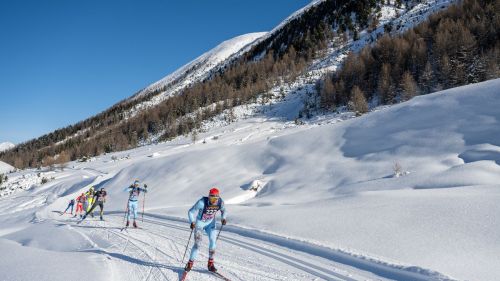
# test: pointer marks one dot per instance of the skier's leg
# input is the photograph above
(91, 209)
(135, 210)
(101, 207)
(129, 213)
(198, 234)
(212, 237)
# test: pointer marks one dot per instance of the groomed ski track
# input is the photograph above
(154, 252)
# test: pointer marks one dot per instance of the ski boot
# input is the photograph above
(127, 223)
(101, 218)
(189, 266)
(211, 266)
(134, 224)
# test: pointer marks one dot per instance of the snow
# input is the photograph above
(315, 199)
(311, 201)
(6, 146)
(5, 168)
(196, 70)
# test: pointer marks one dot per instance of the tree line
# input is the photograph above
(454, 47)
(281, 57)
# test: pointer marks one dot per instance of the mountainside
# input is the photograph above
(298, 51)
(195, 71)
(406, 192)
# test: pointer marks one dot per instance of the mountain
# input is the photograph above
(196, 70)
(6, 146)
(294, 56)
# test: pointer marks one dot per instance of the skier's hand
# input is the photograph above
(193, 225)
(224, 221)
(145, 186)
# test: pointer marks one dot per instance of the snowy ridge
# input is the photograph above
(194, 71)
(6, 146)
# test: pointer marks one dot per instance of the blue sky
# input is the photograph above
(63, 61)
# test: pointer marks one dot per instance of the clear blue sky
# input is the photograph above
(63, 61)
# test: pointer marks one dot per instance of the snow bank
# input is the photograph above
(5, 168)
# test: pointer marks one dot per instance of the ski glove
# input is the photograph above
(223, 222)
(193, 225)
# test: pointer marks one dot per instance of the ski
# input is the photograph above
(217, 274)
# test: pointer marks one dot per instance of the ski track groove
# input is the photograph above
(139, 255)
(316, 271)
(142, 248)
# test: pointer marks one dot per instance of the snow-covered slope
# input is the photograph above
(325, 191)
(6, 145)
(195, 71)
(5, 168)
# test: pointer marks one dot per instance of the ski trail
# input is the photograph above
(154, 252)
(290, 258)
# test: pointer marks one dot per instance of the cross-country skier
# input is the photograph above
(99, 200)
(90, 200)
(133, 198)
(79, 205)
(202, 218)
(71, 204)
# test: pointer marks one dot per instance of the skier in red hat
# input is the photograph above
(202, 218)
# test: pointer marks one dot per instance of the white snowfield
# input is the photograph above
(5, 168)
(308, 202)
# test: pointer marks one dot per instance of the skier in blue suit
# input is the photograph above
(133, 199)
(202, 218)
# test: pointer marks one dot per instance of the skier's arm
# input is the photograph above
(223, 211)
(194, 211)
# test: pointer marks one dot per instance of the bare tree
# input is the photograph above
(358, 101)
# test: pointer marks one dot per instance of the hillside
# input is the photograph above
(297, 52)
(329, 187)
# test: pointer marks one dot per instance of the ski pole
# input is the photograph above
(219, 232)
(143, 203)
(126, 212)
(187, 246)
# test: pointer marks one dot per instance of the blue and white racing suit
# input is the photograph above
(203, 214)
(132, 201)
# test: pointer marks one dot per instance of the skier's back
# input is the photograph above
(99, 200)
